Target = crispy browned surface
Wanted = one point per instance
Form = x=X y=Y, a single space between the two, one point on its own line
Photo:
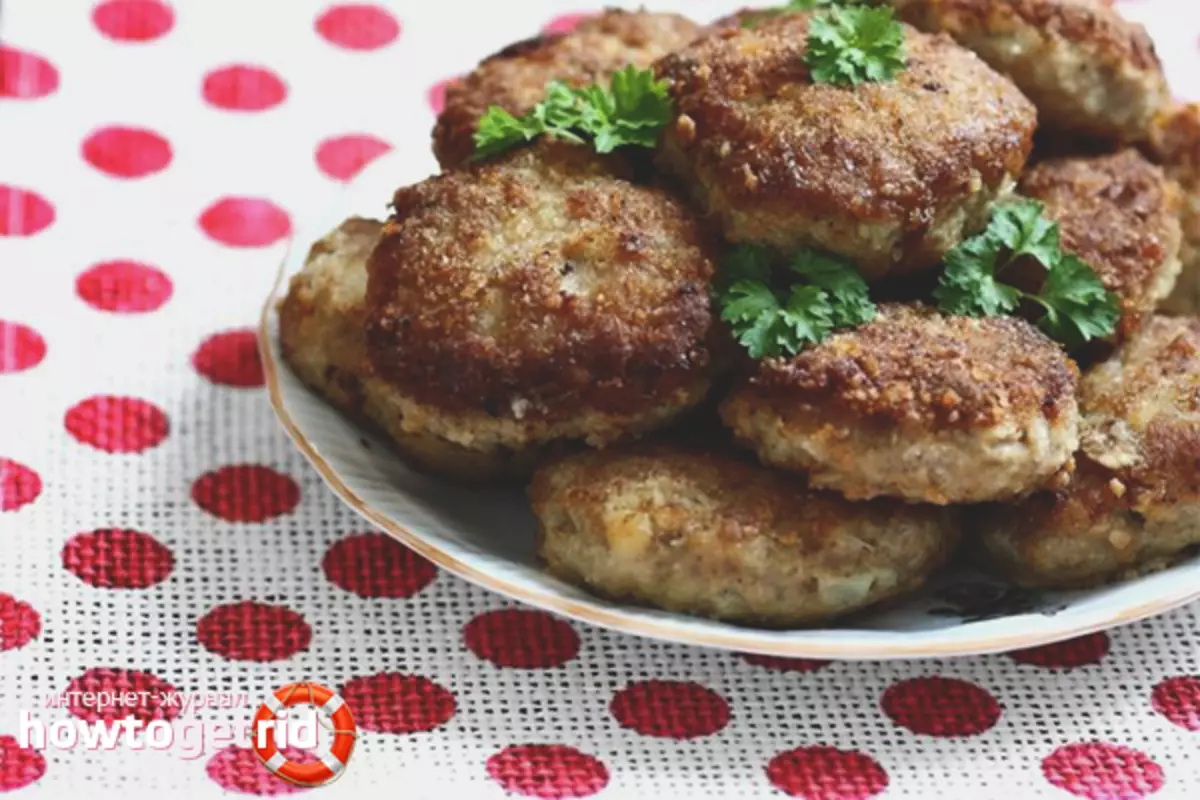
x=538 y=285
x=1120 y=214
x=1142 y=413
x=1135 y=499
x=515 y=78
x=1090 y=22
x=757 y=134
x=709 y=533
x=1088 y=70
x=917 y=368
x=1175 y=142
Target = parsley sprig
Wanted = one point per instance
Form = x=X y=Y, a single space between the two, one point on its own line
x=1077 y=308
x=631 y=111
x=849 y=45
x=772 y=319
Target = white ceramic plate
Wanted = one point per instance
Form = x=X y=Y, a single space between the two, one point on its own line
x=486 y=535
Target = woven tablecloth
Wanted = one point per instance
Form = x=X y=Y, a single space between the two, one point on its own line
x=159 y=534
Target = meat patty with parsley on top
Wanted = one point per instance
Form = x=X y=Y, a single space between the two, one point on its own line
x=1134 y=504
x=1120 y=214
x=710 y=534
x=892 y=172
x=1088 y=70
x=515 y=78
x=540 y=297
x=916 y=405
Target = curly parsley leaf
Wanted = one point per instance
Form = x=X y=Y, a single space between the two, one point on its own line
x=633 y=110
x=969 y=286
x=1022 y=228
x=1077 y=306
x=770 y=319
x=851 y=304
x=500 y=131
x=852 y=45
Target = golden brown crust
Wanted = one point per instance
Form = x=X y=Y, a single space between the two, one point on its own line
x=515 y=78
x=321 y=322
x=1120 y=214
x=755 y=132
x=539 y=284
x=1088 y=22
x=1089 y=70
x=1142 y=414
x=1175 y=143
x=916 y=368
x=1135 y=498
x=709 y=533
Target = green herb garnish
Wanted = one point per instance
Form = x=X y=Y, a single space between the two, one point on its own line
x=633 y=110
x=770 y=319
x=852 y=45
x=1077 y=306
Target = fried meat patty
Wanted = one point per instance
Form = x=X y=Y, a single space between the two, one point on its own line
x=321 y=324
x=539 y=297
x=1087 y=69
x=515 y=78
x=710 y=534
x=1134 y=503
x=1175 y=142
x=918 y=406
x=1120 y=214
x=891 y=174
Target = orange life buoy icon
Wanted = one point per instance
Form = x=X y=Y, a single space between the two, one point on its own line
x=329 y=765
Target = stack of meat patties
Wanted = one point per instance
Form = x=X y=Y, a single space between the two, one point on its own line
x=549 y=313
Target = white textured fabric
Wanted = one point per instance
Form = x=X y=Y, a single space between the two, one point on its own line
x=456 y=693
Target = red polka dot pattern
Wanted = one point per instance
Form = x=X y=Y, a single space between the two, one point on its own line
x=1100 y=771
x=23 y=212
x=547 y=771
x=376 y=565
x=785 y=664
x=394 y=703
x=670 y=709
x=112 y=558
x=117 y=424
x=19 y=485
x=253 y=631
x=148 y=706
x=826 y=773
x=245 y=222
x=1178 y=699
x=343 y=157
x=127 y=152
x=133 y=20
x=238 y=769
x=124 y=287
x=941 y=707
x=246 y=493
x=25 y=75
x=437 y=95
x=21 y=347
x=358 y=27
x=19 y=623
x=522 y=639
x=1070 y=654
x=19 y=766
x=230 y=358
x=565 y=23
x=242 y=87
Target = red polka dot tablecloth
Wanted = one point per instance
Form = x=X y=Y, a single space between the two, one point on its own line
x=160 y=536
